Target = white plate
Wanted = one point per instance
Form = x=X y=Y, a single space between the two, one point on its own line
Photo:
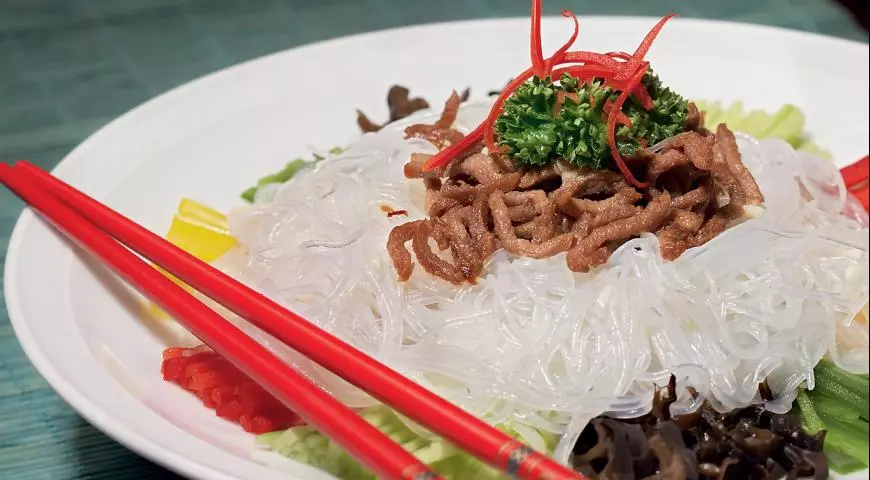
x=84 y=331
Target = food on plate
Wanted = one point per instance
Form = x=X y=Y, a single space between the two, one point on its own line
x=537 y=202
x=587 y=262
x=224 y=388
x=744 y=443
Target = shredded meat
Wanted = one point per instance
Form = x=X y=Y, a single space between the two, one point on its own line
x=535 y=176
x=468 y=260
x=646 y=220
x=694 y=119
x=440 y=133
x=480 y=203
x=695 y=198
x=482 y=168
x=506 y=233
x=747 y=188
x=400 y=256
x=430 y=260
x=414 y=168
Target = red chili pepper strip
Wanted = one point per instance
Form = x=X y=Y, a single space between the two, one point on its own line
x=590 y=58
x=619 y=55
x=643 y=97
x=611 y=127
x=856 y=173
x=633 y=63
x=444 y=157
x=560 y=53
x=535 y=43
x=585 y=72
x=621 y=119
x=614 y=68
x=488 y=131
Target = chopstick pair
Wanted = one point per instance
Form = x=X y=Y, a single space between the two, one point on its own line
x=104 y=233
x=362 y=440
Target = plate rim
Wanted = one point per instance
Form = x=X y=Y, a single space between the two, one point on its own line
x=78 y=400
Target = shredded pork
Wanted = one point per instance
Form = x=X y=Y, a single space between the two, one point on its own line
x=480 y=203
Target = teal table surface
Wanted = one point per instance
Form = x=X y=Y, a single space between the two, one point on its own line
x=67 y=67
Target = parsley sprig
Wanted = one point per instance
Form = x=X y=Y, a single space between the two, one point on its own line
x=535 y=135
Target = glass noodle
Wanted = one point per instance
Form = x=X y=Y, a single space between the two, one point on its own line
x=533 y=344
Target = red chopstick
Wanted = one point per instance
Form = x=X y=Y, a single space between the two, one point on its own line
x=362 y=440
x=463 y=429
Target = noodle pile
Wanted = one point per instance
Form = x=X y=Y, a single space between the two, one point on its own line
x=536 y=345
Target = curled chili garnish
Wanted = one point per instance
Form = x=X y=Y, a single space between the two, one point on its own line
x=537 y=53
x=560 y=53
x=634 y=62
x=620 y=71
x=488 y=124
x=612 y=121
x=393 y=213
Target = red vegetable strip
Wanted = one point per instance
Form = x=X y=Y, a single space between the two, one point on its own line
x=488 y=131
x=204 y=366
x=636 y=59
x=863 y=195
x=611 y=128
x=560 y=53
x=535 y=41
x=177 y=352
x=590 y=58
x=172 y=369
x=223 y=394
x=630 y=67
x=444 y=157
x=856 y=173
x=621 y=119
x=585 y=72
x=483 y=131
x=226 y=389
x=619 y=55
x=643 y=97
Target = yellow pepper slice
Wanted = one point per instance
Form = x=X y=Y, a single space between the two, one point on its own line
x=205 y=215
x=200 y=231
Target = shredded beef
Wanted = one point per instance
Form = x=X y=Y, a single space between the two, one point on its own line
x=482 y=202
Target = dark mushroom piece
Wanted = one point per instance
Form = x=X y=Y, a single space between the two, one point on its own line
x=743 y=444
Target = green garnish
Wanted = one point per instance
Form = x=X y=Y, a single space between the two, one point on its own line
x=535 y=135
x=285 y=174
x=787 y=123
x=838 y=404
x=307 y=445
